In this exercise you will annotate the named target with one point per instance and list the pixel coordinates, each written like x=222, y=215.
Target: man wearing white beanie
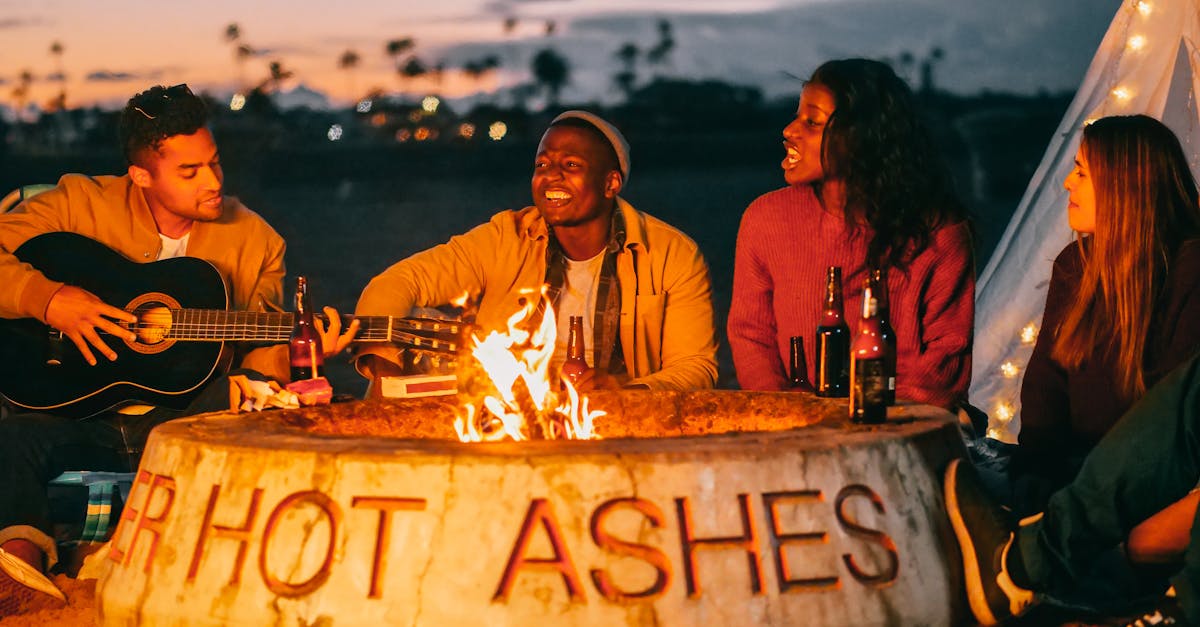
x=641, y=285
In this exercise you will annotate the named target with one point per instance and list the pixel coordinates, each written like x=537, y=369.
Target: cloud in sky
x=118, y=76
x=1018, y=45
x=8, y=23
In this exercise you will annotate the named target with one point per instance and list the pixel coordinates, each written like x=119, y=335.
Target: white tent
x=1144, y=65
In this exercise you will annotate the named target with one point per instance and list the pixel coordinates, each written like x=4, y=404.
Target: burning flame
x=526, y=405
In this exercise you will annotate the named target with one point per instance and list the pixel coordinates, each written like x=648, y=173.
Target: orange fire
x=525, y=404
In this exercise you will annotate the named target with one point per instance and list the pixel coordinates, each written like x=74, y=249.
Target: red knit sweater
x=785, y=243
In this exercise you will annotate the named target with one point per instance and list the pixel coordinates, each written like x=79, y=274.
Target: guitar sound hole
x=153, y=323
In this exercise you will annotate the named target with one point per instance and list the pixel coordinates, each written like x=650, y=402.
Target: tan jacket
x=246, y=251
x=666, y=325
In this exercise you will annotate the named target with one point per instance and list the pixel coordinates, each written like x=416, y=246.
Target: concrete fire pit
x=303, y=518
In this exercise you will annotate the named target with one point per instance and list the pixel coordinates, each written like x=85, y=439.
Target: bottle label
x=868, y=396
x=833, y=350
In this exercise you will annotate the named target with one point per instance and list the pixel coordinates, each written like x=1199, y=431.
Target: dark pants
x=1149, y=460
x=35, y=448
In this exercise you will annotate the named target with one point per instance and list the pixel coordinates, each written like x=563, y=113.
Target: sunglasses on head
x=154, y=106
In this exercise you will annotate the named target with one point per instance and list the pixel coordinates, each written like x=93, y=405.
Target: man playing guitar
x=168, y=204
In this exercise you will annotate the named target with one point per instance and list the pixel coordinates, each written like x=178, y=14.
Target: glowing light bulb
x=1144, y=8
x=1122, y=93
x=1089, y=121
x=497, y=131
x=1009, y=369
x=1004, y=412
x=1029, y=334
x=1137, y=42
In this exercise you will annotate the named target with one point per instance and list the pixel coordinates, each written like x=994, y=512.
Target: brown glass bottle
x=797, y=368
x=833, y=341
x=575, y=365
x=868, y=381
x=879, y=289
x=305, y=353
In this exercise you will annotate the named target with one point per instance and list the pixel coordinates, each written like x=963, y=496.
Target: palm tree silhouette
x=278, y=74
x=56, y=50
x=397, y=48
x=412, y=69
x=349, y=61
x=660, y=54
x=627, y=55
x=551, y=72
x=20, y=92
x=477, y=69
x=241, y=52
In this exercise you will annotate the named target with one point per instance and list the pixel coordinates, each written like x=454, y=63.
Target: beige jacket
x=666, y=325
x=246, y=251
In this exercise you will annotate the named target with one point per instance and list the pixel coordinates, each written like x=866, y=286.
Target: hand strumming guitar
x=81, y=316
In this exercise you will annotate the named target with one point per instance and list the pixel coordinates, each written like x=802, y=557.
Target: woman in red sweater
x=1123, y=305
x=865, y=190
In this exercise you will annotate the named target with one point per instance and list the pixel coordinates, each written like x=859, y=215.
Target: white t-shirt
x=578, y=298
x=173, y=248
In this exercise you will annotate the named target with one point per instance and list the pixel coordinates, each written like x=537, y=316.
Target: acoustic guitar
x=183, y=322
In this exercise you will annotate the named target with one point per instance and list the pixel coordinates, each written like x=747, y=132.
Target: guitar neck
x=219, y=325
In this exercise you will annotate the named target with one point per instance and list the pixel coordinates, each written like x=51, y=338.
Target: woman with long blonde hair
x=1123, y=306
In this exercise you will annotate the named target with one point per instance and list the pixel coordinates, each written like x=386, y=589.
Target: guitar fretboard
x=219, y=325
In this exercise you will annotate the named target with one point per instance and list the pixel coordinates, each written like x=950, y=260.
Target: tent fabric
x=1144, y=65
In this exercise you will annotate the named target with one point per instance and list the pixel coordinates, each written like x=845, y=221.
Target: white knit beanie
x=619, y=145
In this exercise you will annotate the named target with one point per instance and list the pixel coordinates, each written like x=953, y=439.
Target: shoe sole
x=976, y=593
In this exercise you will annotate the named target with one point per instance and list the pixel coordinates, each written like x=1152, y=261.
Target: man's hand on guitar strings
x=333, y=341
x=81, y=316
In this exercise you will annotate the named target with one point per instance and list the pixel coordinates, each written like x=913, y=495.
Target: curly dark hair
x=876, y=143
x=156, y=114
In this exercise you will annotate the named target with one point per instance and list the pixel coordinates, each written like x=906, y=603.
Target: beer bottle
x=868, y=382
x=833, y=340
x=797, y=368
x=304, y=347
x=575, y=365
x=880, y=292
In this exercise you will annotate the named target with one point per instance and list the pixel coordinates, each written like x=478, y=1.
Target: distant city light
x=430, y=104
x=1137, y=42
x=237, y=102
x=335, y=132
x=466, y=130
x=379, y=119
x=415, y=115
x=422, y=134
x=364, y=105
x=497, y=131
x=403, y=135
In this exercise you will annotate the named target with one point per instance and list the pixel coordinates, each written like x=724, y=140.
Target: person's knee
x=1163, y=538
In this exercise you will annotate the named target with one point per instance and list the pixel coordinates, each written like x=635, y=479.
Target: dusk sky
x=112, y=48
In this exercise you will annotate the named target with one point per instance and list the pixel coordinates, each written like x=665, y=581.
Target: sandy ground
x=79, y=612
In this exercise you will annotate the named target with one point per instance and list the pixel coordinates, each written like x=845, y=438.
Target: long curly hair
x=1146, y=207
x=875, y=142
